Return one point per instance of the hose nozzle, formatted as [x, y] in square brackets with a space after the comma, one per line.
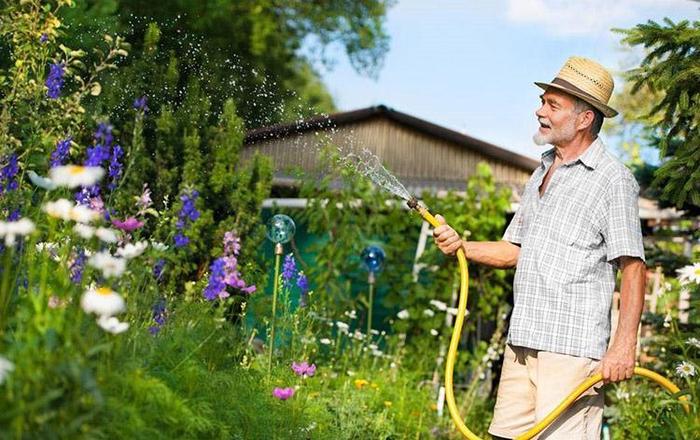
[412, 203]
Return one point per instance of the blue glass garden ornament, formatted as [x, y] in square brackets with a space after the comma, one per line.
[373, 256]
[280, 229]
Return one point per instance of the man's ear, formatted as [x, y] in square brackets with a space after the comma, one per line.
[585, 120]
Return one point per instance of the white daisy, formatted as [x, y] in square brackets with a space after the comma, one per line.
[689, 274]
[695, 342]
[429, 313]
[10, 230]
[41, 182]
[160, 247]
[325, 341]
[433, 332]
[441, 306]
[685, 369]
[83, 214]
[85, 231]
[109, 265]
[452, 311]
[358, 335]
[72, 176]
[106, 234]
[112, 325]
[622, 394]
[403, 314]
[132, 250]
[343, 327]
[377, 353]
[102, 301]
[67, 210]
[6, 367]
[60, 208]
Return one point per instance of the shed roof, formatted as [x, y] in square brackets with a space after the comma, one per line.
[338, 119]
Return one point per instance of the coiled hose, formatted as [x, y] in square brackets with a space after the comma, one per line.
[454, 343]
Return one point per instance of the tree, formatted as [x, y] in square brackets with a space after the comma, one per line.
[670, 74]
[259, 53]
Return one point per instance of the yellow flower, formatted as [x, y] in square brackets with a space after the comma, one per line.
[361, 383]
[374, 385]
[387, 403]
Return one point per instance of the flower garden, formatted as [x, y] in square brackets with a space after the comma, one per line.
[139, 295]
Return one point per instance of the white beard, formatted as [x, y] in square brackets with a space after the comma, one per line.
[559, 135]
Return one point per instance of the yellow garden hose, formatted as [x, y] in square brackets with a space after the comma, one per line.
[454, 343]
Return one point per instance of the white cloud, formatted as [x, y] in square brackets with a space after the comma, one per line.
[589, 17]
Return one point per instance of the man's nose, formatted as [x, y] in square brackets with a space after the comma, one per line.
[540, 112]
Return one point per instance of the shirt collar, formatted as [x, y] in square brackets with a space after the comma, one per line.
[590, 157]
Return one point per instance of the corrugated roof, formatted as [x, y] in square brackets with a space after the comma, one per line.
[324, 122]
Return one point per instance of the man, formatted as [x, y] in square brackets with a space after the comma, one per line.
[576, 225]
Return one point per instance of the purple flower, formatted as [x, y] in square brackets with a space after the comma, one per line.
[144, 201]
[289, 268]
[140, 103]
[103, 134]
[14, 215]
[188, 213]
[54, 81]
[115, 167]
[216, 288]
[44, 38]
[159, 315]
[181, 240]
[283, 393]
[304, 369]
[60, 154]
[158, 269]
[232, 244]
[86, 194]
[8, 174]
[303, 285]
[303, 282]
[224, 271]
[76, 268]
[128, 225]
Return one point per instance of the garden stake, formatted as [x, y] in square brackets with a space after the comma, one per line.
[373, 257]
[454, 343]
[370, 280]
[278, 255]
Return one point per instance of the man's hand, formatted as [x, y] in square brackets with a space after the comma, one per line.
[446, 238]
[618, 362]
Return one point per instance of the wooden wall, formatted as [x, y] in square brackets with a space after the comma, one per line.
[408, 153]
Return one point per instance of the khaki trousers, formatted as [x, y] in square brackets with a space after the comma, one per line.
[533, 383]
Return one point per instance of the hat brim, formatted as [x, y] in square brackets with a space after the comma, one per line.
[608, 112]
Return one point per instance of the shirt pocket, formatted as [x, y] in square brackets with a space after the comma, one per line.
[585, 234]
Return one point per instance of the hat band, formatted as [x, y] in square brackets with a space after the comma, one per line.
[566, 84]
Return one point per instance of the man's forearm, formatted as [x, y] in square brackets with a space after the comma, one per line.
[631, 302]
[498, 254]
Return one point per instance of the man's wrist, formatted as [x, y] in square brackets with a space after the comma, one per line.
[466, 249]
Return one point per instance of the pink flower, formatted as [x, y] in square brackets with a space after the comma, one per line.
[304, 369]
[128, 225]
[283, 393]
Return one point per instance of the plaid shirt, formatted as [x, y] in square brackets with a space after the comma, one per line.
[569, 241]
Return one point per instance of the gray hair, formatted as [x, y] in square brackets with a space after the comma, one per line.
[581, 106]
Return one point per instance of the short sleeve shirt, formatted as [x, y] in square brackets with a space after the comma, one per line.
[570, 239]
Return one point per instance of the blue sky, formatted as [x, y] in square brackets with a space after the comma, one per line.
[470, 65]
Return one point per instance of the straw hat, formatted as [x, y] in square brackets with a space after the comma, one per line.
[587, 80]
